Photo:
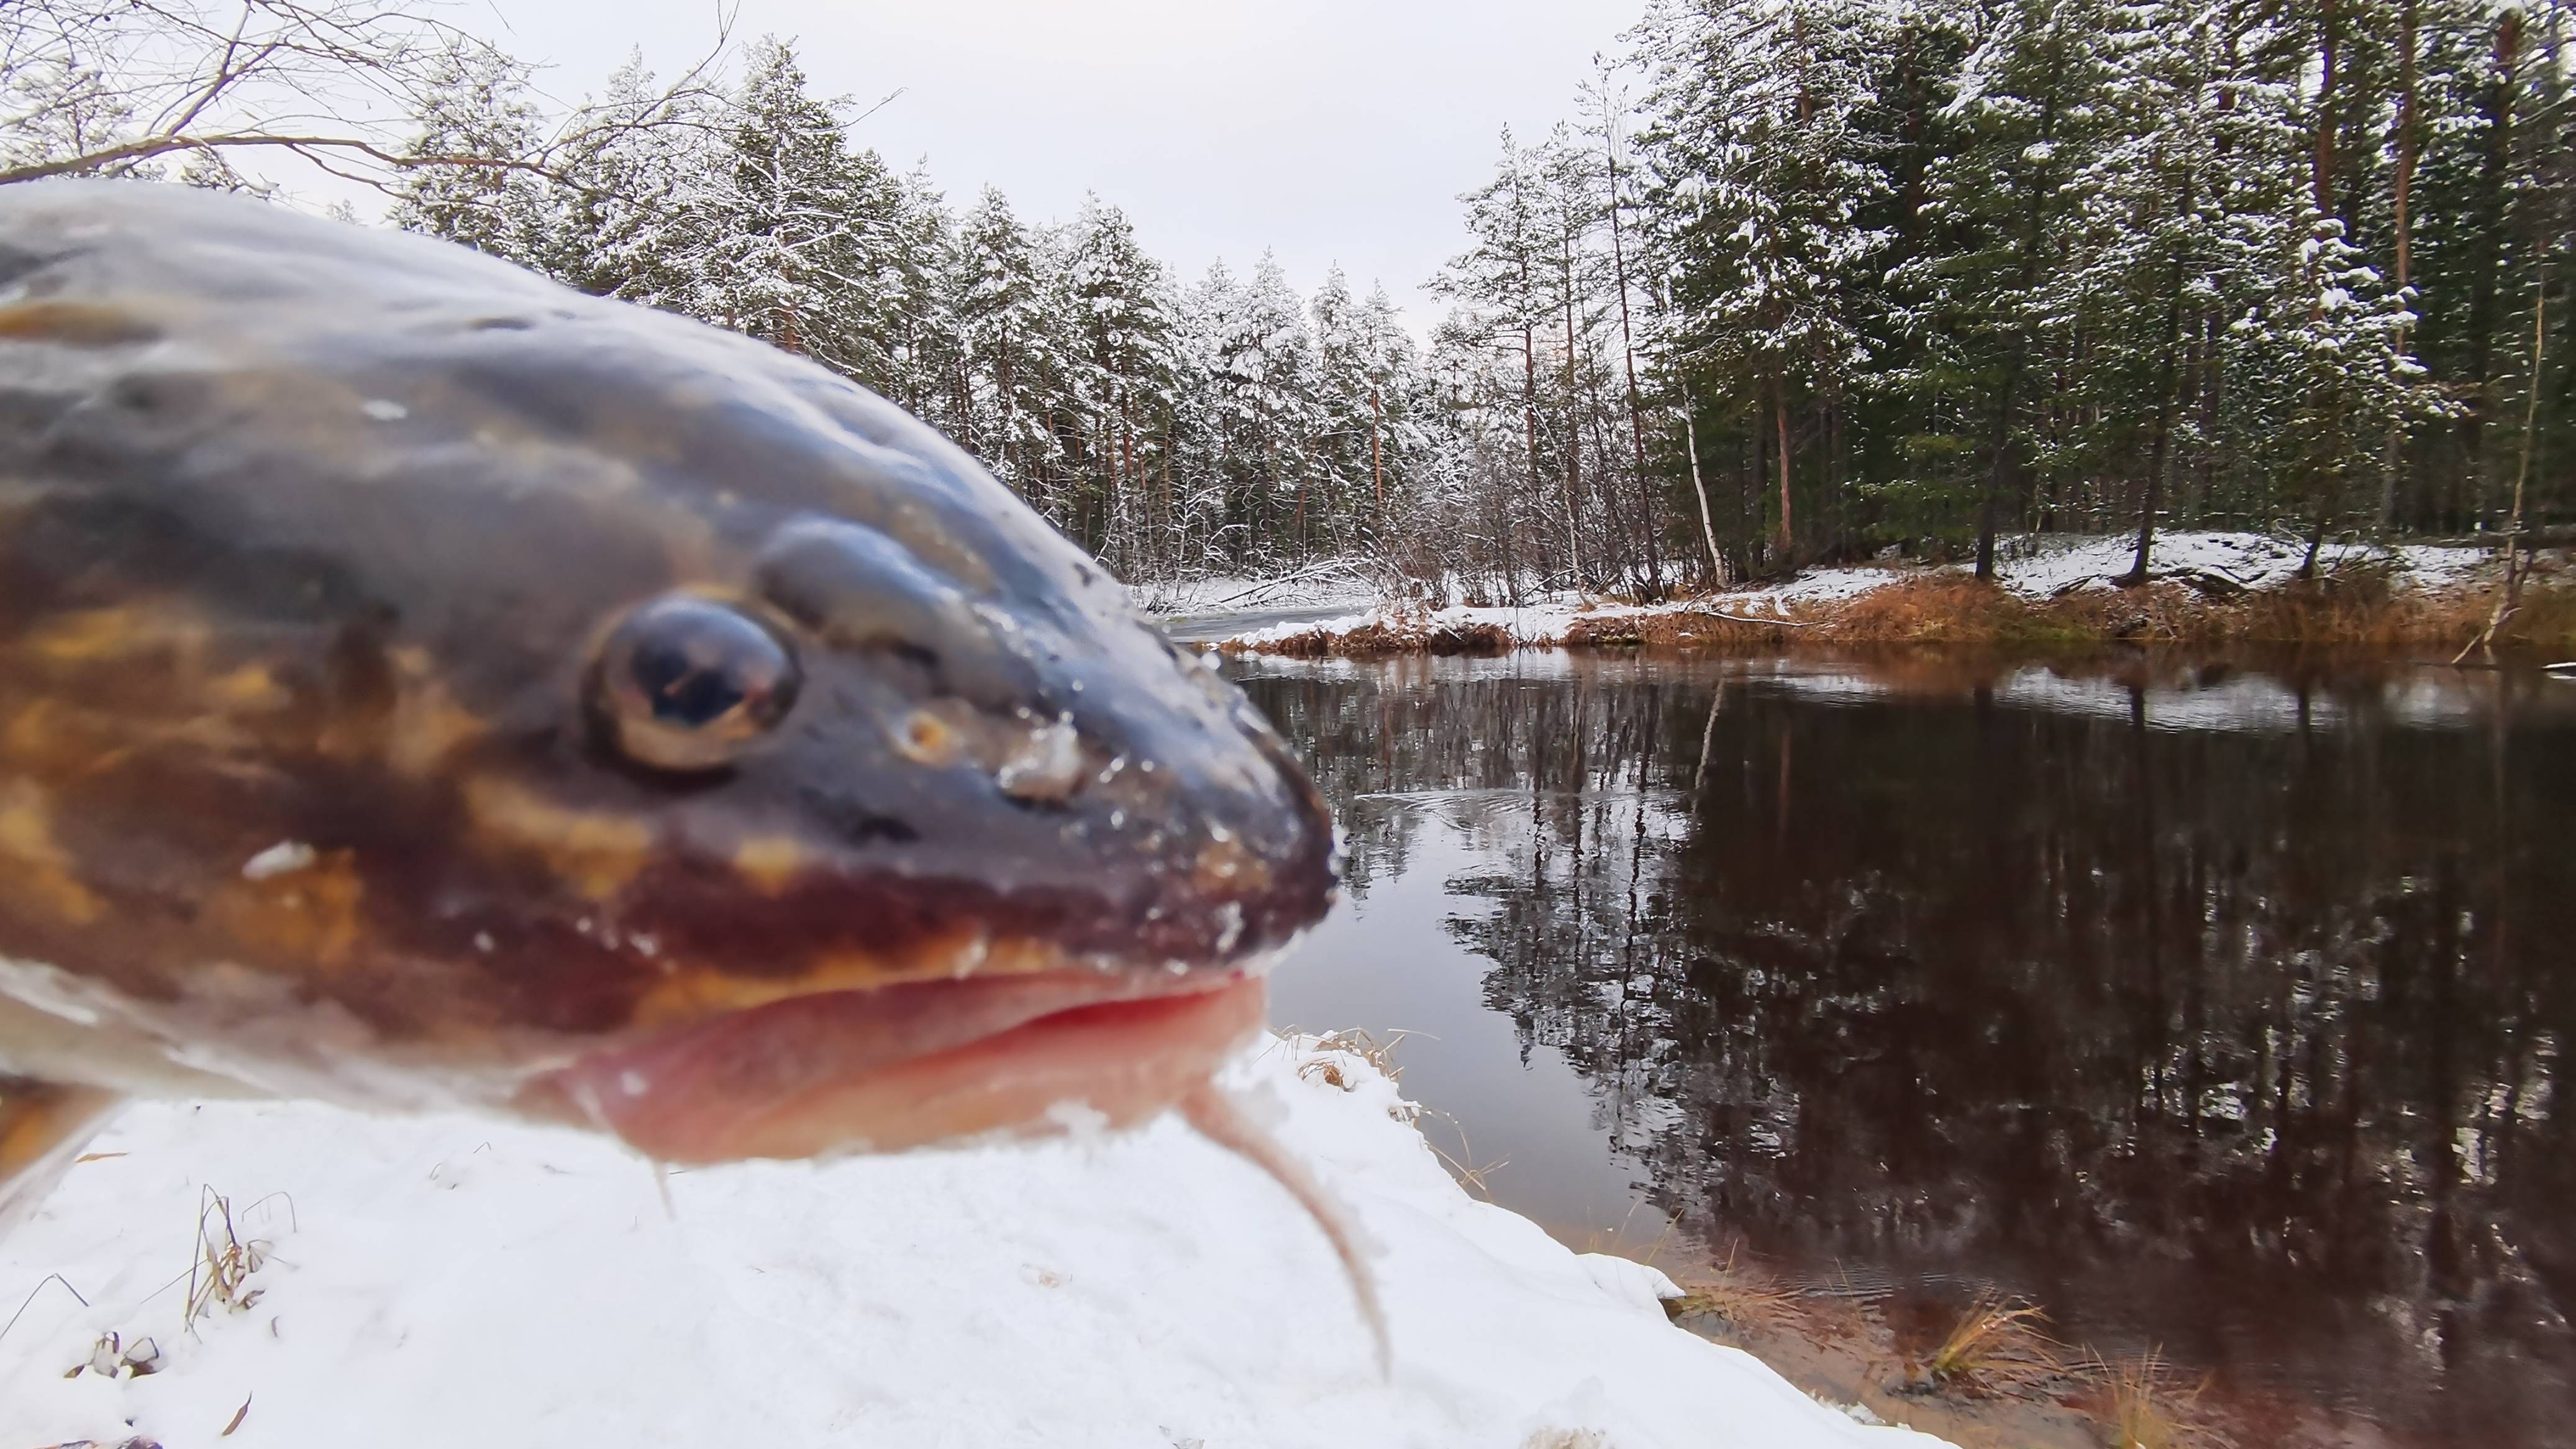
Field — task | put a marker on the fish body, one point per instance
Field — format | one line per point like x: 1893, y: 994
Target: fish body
x: 422, y: 685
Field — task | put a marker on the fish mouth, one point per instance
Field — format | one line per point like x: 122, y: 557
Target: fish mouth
x: 918, y: 1064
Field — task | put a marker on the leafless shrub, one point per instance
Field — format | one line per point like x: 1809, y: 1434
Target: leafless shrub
x: 120, y: 87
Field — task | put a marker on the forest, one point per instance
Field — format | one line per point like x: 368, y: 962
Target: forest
x: 1794, y: 281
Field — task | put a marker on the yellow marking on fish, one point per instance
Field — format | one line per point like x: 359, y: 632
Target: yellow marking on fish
x: 118, y: 632
x: 1224, y: 867
x: 597, y: 853
x: 77, y: 324
x: 770, y: 862
x: 428, y: 723
x: 65, y: 742
x: 32, y: 731
x: 310, y: 916
x: 926, y: 739
x: 692, y: 994
x: 253, y: 688
x: 88, y: 634
x: 27, y: 838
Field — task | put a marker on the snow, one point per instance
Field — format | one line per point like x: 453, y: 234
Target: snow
x: 2053, y: 564
x: 2254, y: 560
x: 1543, y: 620
x: 437, y: 1281
x: 1317, y: 587
x: 2229, y: 703
x: 1817, y: 586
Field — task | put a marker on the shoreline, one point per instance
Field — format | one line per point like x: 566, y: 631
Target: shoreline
x: 2223, y: 590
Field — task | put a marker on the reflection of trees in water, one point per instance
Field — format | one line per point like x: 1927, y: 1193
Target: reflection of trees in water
x: 2193, y: 1035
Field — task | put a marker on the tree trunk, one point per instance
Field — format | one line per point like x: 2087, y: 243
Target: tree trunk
x: 1628, y: 352
x: 2325, y: 156
x: 1529, y: 403
x: 1999, y: 463
x: 1377, y: 454
x: 2393, y: 458
x: 1707, y: 527
x: 2156, y: 450
x: 2511, y: 600
x: 1573, y: 416
x: 2487, y: 270
x: 1010, y: 428
x: 1780, y: 417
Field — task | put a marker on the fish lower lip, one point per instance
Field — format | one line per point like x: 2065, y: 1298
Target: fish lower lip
x: 912, y: 1066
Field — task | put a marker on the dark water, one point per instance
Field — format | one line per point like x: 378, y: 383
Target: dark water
x: 2220, y: 1009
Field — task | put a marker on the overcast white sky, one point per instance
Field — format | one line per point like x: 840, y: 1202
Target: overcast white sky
x: 1327, y: 130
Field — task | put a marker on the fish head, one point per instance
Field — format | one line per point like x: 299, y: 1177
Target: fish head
x: 423, y: 685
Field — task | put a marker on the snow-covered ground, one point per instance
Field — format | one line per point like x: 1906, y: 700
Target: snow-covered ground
x: 440, y: 1281
x: 1319, y: 587
x: 2055, y: 564
x: 2037, y: 570
x: 1543, y: 620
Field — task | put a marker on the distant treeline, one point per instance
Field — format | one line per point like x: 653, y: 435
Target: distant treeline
x: 1174, y: 429
x: 1943, y: 268
x: 1804, y: 278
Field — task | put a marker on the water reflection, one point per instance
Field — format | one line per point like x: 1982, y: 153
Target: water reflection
x: 2217, y: 1008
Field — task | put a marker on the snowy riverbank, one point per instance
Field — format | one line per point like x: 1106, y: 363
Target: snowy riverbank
x: 448, y: 1280
x: 2072, y: 574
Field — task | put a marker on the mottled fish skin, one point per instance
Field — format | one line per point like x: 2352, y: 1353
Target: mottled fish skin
x: 312, y: 537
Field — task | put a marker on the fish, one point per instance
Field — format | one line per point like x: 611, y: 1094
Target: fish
x: 424, y: 686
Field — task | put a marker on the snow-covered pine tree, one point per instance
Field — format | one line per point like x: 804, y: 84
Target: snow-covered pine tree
x: 1992, y: 300
x: 2158, y: 264
x: 1758, y: 154
x: 1402, y: 411
x: 1498, y: 284
x: 479, y: 106
x: 1575, y: 282
x: 1349, y: 405
x: 911, y: 257
x: 1121, y: 380
x: 789, y: 258
x: 1010, y: 354
x: 637, y: 210
x: 1265, y: 376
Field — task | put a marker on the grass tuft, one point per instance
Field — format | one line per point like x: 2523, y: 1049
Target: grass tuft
x: 1357, y: 1042
x: 2146, y: 1406
x: 1994, y: 1344
x: 220, y: 1275
x: 1742, y: 1300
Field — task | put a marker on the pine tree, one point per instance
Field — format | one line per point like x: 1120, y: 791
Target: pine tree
x: 1500, y: 284
x: 2029, y: 119
x: 481, y: 107
x: 1008, y: 353
x: 1760, y: 158
x: 787, y: 259
x: 1122, y: 381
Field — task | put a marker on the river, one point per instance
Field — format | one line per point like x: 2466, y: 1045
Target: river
x: 2218, y: 1006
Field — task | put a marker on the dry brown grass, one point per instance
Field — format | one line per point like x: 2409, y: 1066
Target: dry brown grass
x: 1469, y: 1173
x: 1742, y: 1304
x: 1353, y: 1041
x: 1391, y: 636
x: 1744, y: 1298
x: 1734, y: 634
x: 220, y: 1275
x: 1994, y: 1344
x: 2143, y: 1404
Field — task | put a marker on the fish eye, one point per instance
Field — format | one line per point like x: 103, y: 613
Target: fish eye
x: 688, y: 684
